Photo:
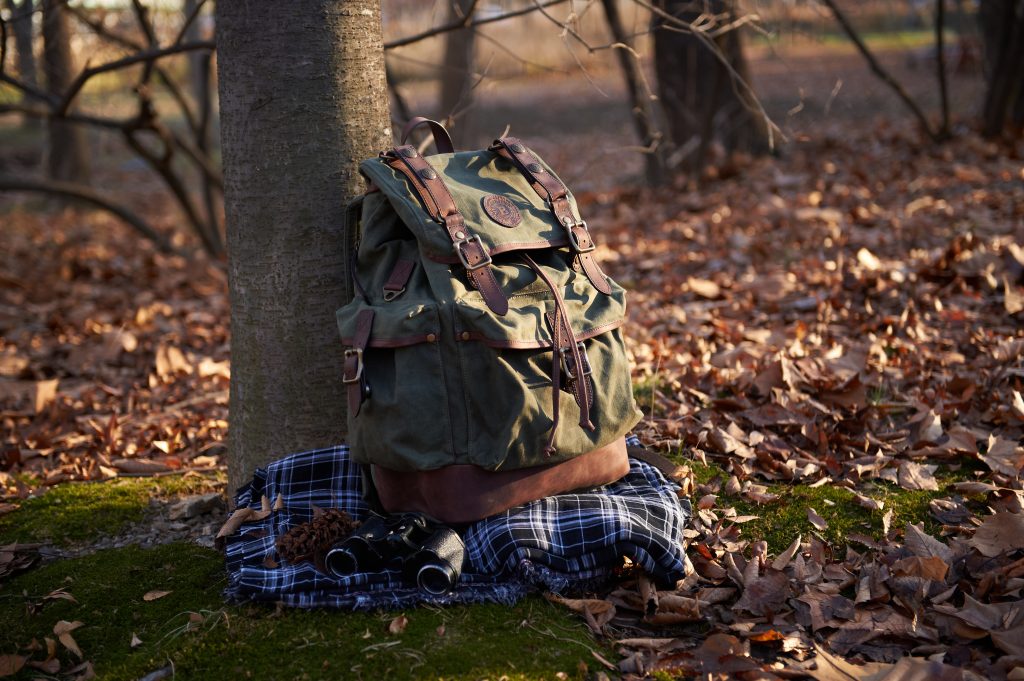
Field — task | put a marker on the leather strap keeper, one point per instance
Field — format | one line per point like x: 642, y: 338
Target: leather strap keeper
x: 464, y: 493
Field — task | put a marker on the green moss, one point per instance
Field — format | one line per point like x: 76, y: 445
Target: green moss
x: 532, y: 640
x: 780, y: 522
x: 74, y: 512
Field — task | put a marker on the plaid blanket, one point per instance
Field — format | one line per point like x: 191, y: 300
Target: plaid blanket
x: 564, y: 543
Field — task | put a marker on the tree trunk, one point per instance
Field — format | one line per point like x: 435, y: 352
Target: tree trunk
x: 68, y: 150
x: 199, y: 71
x: 701, y: 98
x: 640, y: 100
x: 1002, y: 28
x: 21, y: 26
x: 303, y: 100
x: 457, y: 73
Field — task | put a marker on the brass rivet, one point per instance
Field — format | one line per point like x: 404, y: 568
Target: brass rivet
x: 465, y: 335
x: 535, y: 168
x: 431, y: 338
x: 408, y: 152
x: 460, y: 235
x: 518, y: 148
x: 428, y: 174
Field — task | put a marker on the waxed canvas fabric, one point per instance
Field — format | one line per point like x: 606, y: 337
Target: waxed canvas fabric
x: 450, y: 381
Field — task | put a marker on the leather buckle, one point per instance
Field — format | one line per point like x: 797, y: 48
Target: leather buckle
x: 566, y: 352
x: 573, y: 239
x: 358, y: 354
x: 462, y: 255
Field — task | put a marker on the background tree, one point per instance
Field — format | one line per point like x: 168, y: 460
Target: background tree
x: 67, y: 152
x: 303, y: 99
x: 21, y: 26
x: 457, y: 70
x: 1002, y: 28
x: 703, y: 93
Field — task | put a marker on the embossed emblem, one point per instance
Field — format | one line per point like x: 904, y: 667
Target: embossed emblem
x: 501, y: 210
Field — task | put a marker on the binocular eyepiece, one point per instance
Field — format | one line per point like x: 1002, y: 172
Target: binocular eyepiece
x: 427, y: 554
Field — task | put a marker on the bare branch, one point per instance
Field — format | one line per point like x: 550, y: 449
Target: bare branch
x: 131, y: 60
x: 188, y: 22
x: 940, y: 63
x: 455, y: 25
x: 747, y: 94
x: 95, y: 121
x: 83, y: 193
x: 884, y: 75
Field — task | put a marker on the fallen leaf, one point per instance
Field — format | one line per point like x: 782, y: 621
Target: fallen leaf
x: 153, y: 595
x: 704, y: 287
x: 816, y: 520
x: 11, y: 664
x: 242, y: 516
x: 1003, y: 456
x: 398, y: 624
x: 595, y: 612
x: 767, y: 593
x: 63, y: 631
x: 913, y: 475
x: 999, y: 533
x: 869, y: 260
x: 45, y: 394
x: 922, y: 544
x: 135, y: 642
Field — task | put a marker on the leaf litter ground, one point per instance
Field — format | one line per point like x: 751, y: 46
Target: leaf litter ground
x: 813, y: 339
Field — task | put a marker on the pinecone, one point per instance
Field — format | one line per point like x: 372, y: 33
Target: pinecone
x: 306, y: 541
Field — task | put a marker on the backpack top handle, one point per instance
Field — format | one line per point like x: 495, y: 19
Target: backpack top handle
x: 442, y: 140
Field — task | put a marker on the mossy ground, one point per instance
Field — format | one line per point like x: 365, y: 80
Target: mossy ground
x: 780, y: 522
x: 76, y: 512
x: 193, y: 629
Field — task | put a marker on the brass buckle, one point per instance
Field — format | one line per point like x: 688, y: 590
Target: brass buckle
x: 358, y: 354
x: 462, y: 256
x: 565, y: 353
x: 391, y: 294
x: 573, y: 241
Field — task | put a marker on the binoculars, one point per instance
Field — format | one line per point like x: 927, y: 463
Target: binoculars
x: 427, y: 554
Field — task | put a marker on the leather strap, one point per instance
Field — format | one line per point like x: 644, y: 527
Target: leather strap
x: 441, y: 206
x: 442, y: 140
x: 353, y: 377
x: 442, y: 493
x: 399, y: 277
x: 563, y: 337
x: 551, y: 189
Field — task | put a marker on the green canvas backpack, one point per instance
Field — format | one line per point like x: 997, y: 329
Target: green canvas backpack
x: 484, y: 361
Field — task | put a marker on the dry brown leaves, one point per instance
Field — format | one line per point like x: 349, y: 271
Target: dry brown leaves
x: 113, y: 358
x: 848, y: 316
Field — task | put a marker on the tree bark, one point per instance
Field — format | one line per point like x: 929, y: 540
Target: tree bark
x: 1002, y: 28
x: 303, y: 99
x: 457, y: 73
x: 698, y: 93
x: 67, y: 150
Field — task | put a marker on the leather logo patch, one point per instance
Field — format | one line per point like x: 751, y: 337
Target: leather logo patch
x: 501, y: 210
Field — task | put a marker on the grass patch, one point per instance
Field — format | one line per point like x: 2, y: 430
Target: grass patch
x: 531, y: 640
x: 74, y: 512
x: 780, y: 522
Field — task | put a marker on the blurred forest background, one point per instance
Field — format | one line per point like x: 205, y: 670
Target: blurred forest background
x: 816, y: 204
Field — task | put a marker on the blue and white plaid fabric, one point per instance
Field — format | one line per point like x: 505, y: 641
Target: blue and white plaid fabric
x: 564, y: 543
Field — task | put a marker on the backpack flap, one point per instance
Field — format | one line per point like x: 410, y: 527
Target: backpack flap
x: 472, y: 177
